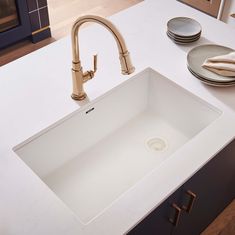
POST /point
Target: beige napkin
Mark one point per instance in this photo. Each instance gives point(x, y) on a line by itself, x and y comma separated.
point(223, 65)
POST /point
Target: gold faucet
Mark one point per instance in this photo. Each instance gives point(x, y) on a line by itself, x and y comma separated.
point(79, 77)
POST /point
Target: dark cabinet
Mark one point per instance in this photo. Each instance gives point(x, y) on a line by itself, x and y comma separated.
point(197, 202)
point(157, 222)
point(20, 31)
point(214, 188)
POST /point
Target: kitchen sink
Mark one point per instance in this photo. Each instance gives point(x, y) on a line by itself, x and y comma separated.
point(96, 154)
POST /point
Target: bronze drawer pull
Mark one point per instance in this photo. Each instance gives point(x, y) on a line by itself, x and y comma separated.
point(191, 201)
point(175, 221)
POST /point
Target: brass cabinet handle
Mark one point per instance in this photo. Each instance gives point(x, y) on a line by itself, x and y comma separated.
point(192, 196)
point(175, 220)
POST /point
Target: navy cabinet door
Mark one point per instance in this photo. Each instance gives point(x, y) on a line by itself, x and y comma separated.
point(22, 30)
point(204, 196)
point(158, 221)
point(214, 188)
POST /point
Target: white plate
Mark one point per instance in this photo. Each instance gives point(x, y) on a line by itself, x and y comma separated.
point(199, 54)
point(183, 26)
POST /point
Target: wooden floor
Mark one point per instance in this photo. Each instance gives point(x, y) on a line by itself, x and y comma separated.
point(224, 224)
point(62, 15)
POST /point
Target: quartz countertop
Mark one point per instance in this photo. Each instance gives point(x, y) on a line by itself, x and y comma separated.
point(35, 93)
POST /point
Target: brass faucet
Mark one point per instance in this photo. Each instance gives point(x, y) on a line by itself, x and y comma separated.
point(79, 77)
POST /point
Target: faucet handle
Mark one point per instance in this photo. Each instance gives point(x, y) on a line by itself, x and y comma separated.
point(95, 63)
point(90, 74)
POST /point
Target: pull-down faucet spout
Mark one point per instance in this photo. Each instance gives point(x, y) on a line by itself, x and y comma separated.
point(77, 72)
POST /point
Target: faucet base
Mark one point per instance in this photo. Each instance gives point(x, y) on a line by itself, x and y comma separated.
point(81, 96)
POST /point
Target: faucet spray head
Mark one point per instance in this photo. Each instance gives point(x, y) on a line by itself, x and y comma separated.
point(126, 65)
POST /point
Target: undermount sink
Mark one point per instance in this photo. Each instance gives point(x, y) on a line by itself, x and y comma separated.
point(93, 156)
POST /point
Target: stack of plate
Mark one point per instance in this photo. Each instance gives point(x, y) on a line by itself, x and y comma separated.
point(197, 56)
point(183, 30)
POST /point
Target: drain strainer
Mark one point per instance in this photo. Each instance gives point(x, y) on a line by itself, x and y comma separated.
point(156, 144)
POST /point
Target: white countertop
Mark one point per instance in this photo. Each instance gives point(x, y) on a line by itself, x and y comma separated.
point(35, 92)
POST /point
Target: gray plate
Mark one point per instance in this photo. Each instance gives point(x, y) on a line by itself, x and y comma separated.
point(199, 54)
point(181, 42)
point(183, 38)
point(208, 82)
point(184, 26)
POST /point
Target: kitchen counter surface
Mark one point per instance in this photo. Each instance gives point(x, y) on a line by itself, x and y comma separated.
point(35, 93)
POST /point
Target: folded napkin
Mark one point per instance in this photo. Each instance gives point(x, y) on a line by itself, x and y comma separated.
point(223, 65)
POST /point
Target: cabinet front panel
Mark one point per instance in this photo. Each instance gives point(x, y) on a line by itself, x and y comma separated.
point(158, 221)
point(210, 7)
point(214, 188)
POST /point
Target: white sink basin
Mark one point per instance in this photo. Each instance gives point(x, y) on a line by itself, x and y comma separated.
point(92, 157)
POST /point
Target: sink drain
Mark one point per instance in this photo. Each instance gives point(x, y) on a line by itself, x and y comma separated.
point(156, 144)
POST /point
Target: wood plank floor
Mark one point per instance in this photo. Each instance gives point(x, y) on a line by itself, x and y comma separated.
point(224, 224)
point(62, 15)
